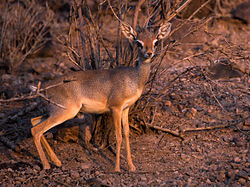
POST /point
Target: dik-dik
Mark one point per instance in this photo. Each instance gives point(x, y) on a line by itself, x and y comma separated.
point(99, 91)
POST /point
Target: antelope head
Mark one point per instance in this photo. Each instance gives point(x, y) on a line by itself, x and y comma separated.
point(145, 40)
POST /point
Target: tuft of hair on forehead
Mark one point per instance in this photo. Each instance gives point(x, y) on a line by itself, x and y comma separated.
point(145, 34)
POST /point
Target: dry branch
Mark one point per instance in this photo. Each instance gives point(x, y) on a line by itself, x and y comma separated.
point(166, 131)
point(181, 132)
point(178, 10)
point(229, 124)
point(137, 9)
point(36, 94)
point(204, 128)
point(8, 143)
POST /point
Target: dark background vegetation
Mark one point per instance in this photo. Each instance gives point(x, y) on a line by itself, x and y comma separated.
point(191, 125)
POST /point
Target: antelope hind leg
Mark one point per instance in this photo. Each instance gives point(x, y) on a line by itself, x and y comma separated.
point(35, 121)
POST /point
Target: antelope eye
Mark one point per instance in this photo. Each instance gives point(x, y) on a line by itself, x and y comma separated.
point(139, 44)
point(156, 42)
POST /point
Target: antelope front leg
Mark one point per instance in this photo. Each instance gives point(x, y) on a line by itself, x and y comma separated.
point(126, 133)
point(118, 133)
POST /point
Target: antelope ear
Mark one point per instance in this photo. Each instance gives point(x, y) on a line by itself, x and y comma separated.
point(164, 31)
point(128, 31)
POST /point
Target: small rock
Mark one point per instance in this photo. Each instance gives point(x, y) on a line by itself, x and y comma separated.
point(68, 180)
point(6, 77)
point(157, 173)
point(143, 178)
point(29, 171)
point(242, 181)
point(247, 122)
point(107, 182)
point(246, 128)
point(64, 168)
point(2, 115)
point(82, 174)
point(173, 96)
point(242, 12)
point(168, 103)
point(57, 170)
point(189, 181)
point(142, 184)
point(230, 174)
point(74, 174)
point(68, 133)
point(40, 67)
point(49, 135)
point(185, 157)
point(45, 181)
point(248, 183)
point(17, 183)
point(208, 181)
point(191, 113)
point(20, 179)
point(237, 159)
point(238, 142)
point(158, 181)
point(97, 173)
point(41, 176)
point(10, 170)
point(221, 177)
point(85, 166)
point(176, 172)
point(48, 76)
point(226, 139)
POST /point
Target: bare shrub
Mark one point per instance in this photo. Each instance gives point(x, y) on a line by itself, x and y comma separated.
point(87, 49)
point(24, 26)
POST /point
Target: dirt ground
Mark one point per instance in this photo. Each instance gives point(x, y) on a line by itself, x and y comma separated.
point(206, 98)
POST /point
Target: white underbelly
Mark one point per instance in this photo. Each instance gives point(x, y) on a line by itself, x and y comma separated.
point(92, 106)
point(128, 102)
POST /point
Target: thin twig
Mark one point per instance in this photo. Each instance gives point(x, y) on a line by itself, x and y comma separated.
point(165, 130)
point(204, 128)
point(185, 58)
point(211, 91)
point(38, 94)
point(21, 98)
point(137, 9)
point(229, 124)
point(50, 101)
point(8, 143)
point(178, 10)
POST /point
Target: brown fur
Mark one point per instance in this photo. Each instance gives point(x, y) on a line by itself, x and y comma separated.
point(96, 91)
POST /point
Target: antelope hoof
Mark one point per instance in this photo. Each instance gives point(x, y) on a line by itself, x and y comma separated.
point(117, 169)
point(46, 166)
point(58, 163)
point(132, 168)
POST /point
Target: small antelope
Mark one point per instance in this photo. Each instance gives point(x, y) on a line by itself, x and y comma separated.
point(99, 91)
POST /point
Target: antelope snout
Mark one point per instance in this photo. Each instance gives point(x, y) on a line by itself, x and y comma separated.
point(148, 54)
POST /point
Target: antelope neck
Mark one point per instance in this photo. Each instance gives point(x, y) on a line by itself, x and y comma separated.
point(144, 71)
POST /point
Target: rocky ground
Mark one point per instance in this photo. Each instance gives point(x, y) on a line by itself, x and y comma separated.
point(203, 86)
point(219, 157)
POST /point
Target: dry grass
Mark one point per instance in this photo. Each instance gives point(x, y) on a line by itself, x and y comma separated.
point(24, 26)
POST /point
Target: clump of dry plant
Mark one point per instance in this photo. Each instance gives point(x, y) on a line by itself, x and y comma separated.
point(24, 25)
